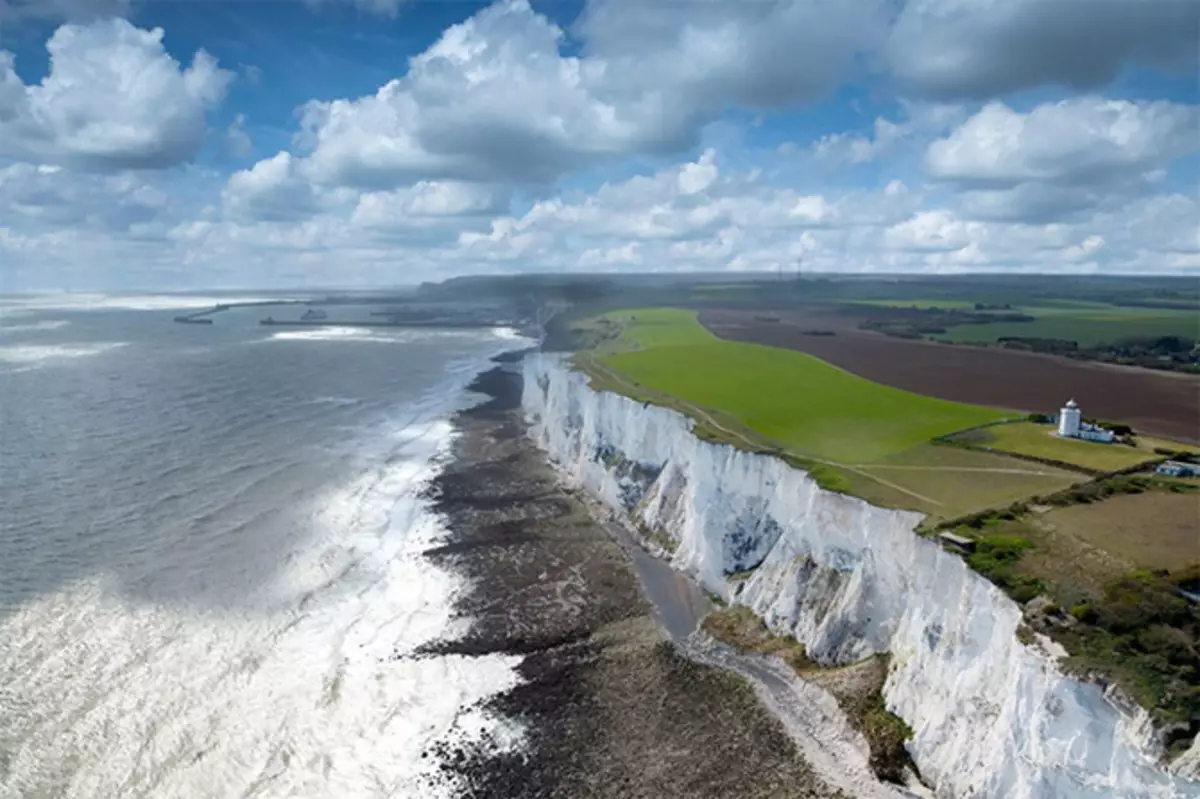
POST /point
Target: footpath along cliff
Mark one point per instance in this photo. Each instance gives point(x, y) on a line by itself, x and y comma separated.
point(991, 716)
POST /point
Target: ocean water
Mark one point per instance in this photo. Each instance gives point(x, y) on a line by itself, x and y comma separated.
point(210, 568)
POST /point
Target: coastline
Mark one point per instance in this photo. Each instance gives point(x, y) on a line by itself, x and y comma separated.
point(608, 706)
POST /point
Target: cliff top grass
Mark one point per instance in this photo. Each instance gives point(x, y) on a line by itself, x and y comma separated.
point(804, 403)
point(851, 434)
point(1039, 441)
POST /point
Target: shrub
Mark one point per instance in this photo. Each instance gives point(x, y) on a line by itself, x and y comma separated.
point(1083, 611)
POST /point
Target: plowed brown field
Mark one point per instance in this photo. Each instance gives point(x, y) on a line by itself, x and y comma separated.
point(1158, 403)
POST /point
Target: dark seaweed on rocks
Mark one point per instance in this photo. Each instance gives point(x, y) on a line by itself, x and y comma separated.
point(607, 707)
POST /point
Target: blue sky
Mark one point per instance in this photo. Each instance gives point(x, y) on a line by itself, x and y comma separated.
point(376, 142)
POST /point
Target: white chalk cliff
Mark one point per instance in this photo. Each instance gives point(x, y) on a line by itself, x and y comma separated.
point(991, 717)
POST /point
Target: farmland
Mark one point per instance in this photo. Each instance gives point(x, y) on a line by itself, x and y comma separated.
point(1088, 325)
point(788, 396)
point(1156, 403)
point(852, 434)
point(1151, 530)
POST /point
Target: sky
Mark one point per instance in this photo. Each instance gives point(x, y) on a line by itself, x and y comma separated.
point(184, 144)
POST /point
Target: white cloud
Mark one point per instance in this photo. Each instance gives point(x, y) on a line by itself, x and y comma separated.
point(854, 148)
point(416, 180)
point(1073, 141)
point(45, 198)
point(984, 48)
point(699, 176)
point(932, 231)
point(1062, 158)
point(113, 99)
point(270, 190)
point(237, 137)
point(494, 98)
point(427, 214)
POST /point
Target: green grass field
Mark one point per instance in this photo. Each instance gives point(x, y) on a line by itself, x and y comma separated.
point(1038, 440)
point(793, 398)
point(961, 481)
point(1086, 323)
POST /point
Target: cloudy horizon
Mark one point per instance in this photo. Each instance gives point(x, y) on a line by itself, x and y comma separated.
point(185, 145)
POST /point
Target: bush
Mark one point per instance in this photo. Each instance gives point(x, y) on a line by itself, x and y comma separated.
point(1083, 612)
point(995, 557)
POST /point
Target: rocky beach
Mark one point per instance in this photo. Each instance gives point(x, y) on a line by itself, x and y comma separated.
point(609, 706)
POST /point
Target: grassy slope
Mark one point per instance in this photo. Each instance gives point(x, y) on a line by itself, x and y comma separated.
point(791, 397)
point(1027, 438)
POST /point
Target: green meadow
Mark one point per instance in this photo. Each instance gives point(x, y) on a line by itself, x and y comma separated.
point(794, 399)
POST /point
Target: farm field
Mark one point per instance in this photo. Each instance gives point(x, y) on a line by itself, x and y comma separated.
point(1153, 403)
point(793, 398)
point(759, 398)
point(1152, 530)
point(1086, 325)
point(1038, 440)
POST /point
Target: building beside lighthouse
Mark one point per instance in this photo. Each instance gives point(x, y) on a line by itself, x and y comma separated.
point(1071, 425)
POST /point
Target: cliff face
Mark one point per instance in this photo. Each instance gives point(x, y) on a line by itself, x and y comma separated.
point(991, 716)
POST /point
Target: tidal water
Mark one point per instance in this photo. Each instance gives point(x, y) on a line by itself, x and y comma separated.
point(210, 569)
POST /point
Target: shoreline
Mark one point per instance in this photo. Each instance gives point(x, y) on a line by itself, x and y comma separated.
point(609, 707)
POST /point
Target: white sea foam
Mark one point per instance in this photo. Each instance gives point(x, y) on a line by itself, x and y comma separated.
point(341, 334)
point(312, 692)
point(34, 327)
point(37, 354)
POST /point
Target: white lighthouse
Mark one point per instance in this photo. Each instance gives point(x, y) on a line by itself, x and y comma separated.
point(1069, 420)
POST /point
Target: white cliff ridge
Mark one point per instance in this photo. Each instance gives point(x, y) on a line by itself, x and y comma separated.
point(991, 717)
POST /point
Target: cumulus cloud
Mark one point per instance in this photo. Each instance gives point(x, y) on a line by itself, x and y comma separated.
point(669, 219)
point(270, 190)
point(985, 48)
point(888, 139)
point(425, 200)
point(697, 57)
point(1062, 157)
point(495, 99)
point(113, 99)
point(44, 198)
point(854, 148)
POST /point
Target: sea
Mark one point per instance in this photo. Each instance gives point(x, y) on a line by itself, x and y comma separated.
point(211, 579)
